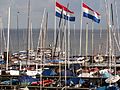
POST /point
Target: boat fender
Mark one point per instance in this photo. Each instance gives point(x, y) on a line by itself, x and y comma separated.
point(98, 58)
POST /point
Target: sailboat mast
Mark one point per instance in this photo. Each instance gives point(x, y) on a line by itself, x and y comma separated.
point(117, 27)
point(100, 37)
point(74, 50)
point(28, 26)
point(1, 51)
point(45, 31)
point(57, 34)
point(110, 43)
point(66, 50)
point(92, 41)
point(8, 33)
point(18, 29)
point(81, 28)
point(65, 55)
point(113, 37)
point(41, 26)
point(108, 32)
point(86, 43)
point(31, 36)
point(68, 41)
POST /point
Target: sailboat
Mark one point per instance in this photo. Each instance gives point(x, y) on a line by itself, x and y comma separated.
point(112, 79)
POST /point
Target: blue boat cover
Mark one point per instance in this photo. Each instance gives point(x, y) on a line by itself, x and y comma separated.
point(108, 88)
point(107, 75)
point(48, 72)
point(54, 61)
point(8, 82)
point(113, 88)
point(74, 66)
point(28, 79)
point(68, 73)
point(75, 81)
point(2, 61)
point(102, 88)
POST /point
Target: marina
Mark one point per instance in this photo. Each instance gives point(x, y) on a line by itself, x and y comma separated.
point(63, 57)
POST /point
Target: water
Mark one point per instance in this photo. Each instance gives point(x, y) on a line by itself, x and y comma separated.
point(18, 40)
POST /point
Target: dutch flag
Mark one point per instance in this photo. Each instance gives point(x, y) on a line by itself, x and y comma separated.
point(90, 13)
point(64, 12)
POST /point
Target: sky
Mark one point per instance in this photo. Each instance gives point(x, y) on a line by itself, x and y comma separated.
point(38, 6)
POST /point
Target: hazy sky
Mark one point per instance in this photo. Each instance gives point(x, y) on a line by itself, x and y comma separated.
point(37, 8)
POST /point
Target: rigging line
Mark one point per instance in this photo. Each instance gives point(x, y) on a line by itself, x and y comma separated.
point(40, 33)
point(113, 28)
point(116, 8)
point(41, 26)
point(100, 32)
point(57, 36)
point(5, 45)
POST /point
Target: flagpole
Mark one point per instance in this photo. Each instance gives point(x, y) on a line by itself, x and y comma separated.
point(55, 25)
point(81, 28)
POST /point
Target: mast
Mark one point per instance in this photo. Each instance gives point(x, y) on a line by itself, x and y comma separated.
point(117, 27)
point(45, 31)
point(86, 43)
point(100, 37)
point(81, 28)
point(28, 28)
point(68, 42)
point(1, 51)
point(5, 46)
point(74, 50)
point(65, 56)
point(92, 41)
point(66, 50)
point(57, 34)
point(18, 29)
point(113, 37)
point(110, 43)
point(41, 27)
point(108, 33)
point(31, 36)
point(113, 29)
point(8, 33)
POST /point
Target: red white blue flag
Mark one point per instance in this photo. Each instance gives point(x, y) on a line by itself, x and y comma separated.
point(90, 13)
point(64, 12)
